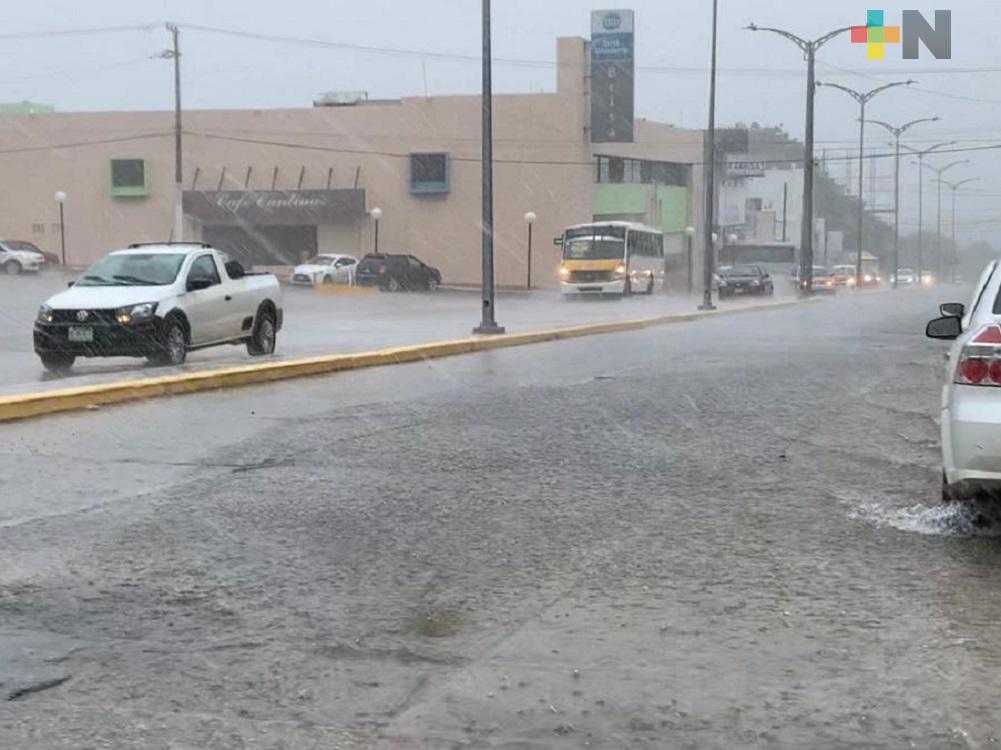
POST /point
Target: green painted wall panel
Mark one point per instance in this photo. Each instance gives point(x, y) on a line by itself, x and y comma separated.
point(619, 199)
point(673, 208)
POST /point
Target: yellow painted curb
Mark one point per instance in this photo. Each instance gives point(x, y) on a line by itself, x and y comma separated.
point(23, 406)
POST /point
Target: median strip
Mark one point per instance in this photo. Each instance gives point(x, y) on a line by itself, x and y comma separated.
point(23, 406)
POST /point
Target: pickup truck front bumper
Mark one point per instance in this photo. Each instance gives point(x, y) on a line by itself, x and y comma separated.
point(109, 339)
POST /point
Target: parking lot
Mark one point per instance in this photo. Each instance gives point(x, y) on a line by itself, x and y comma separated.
point(322, 323)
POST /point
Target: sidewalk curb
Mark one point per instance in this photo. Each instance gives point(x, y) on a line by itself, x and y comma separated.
point(24, 406)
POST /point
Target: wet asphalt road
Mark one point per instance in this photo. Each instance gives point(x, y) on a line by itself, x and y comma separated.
point(710, 535)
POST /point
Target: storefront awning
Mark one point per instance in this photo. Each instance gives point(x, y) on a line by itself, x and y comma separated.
point(274, 206)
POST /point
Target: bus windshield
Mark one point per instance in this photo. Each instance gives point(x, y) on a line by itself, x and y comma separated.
point(594, 248)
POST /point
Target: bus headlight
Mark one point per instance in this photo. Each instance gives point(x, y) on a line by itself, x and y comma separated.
point(564, 273)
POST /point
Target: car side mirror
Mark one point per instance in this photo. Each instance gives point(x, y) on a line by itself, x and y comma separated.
point(70, 283)
point(195, 284)
point(948, 327)
point(952, 309)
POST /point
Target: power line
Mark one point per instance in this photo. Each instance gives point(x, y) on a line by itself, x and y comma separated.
point(80, 32)
point(79, 144)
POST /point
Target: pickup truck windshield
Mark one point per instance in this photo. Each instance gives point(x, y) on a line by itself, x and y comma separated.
point(134, 269)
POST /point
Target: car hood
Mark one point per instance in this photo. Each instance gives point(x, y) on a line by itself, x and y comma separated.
point(104, 297)
point(308, 268)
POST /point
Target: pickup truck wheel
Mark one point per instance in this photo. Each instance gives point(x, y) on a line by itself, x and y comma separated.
point(393, 285)
point(57, 362)
point(175, 346)
point(262, 341)
point(12, 268)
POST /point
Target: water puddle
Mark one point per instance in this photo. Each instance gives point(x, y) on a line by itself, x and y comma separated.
point(975, 519)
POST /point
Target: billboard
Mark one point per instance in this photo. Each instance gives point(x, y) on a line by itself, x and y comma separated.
point(613, 82)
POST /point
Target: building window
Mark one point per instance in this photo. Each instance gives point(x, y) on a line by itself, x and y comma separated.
point(429, 174)
point(616, 169)
point(129, 178)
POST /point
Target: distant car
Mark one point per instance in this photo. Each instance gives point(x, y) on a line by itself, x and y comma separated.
point(17, 256)
point(824, 281)
point(906, 277)
point(844, 275)
point(971, 397)
point(746, 280)
point(393, 273)
point(325, 268)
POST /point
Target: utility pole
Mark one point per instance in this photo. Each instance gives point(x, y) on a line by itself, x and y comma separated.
point(488, 324)
point(809, 48)
point(709, 260)
point(921, 154)
point(897, 132)
point(175, 55)
point(863, 98)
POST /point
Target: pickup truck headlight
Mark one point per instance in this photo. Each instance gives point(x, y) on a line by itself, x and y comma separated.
point(45, 314)
point(135, 313)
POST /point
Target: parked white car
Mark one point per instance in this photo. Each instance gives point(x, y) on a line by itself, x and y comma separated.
point(971, 397)
point(326, 268)
point(159, 301)
point(17, 256)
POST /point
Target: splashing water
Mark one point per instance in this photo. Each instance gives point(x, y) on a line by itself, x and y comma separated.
point(977, 519)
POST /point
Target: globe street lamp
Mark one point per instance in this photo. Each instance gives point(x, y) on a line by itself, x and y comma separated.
point(376, 215)
point(690, 233)
point(530, 218)
point(61, 199)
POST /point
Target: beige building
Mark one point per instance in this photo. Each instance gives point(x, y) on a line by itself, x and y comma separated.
point(272, 185)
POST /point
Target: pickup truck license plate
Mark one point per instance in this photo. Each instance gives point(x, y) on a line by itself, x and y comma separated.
point(81, 334)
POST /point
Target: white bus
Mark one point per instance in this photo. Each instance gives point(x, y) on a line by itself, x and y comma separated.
point(611, 257)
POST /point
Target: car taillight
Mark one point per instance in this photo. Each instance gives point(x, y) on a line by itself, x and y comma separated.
point(980, 359)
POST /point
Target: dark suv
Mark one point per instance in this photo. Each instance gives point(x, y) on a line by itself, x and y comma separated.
point(393, 273)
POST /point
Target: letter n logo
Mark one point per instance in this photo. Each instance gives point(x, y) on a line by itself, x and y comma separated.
point(937, 39)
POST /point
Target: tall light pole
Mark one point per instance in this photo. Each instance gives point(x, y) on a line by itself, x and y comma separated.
point(376, 218)
point(709, 256)
point(897, 132)
point(530, 218)
point(921, 154)
point(955, 186)
point(938, 229)
point(690, 234)
point(488, 323)
point(61, 199)
point(809, 48)
point(175, 55)
point(863, 98)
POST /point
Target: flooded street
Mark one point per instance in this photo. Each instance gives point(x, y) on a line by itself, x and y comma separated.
point(719, 534)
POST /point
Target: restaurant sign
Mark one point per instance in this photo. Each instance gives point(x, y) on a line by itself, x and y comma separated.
point(274, 206)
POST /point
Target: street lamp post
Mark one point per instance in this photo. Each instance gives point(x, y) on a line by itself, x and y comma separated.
point(921, 154)
point(863, 98)
point(376, 216)
point(938, 227)
point(809, 48)
point(61, 199)
point(955, 186)
point(897, 132)
point(488, 323)
point(710, 178)
point(731, 240)
point(690, 234)
point(175, 55)
point(530, 218)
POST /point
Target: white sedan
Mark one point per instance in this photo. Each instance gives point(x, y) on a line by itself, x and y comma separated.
point(326, 268)
point(971, 397)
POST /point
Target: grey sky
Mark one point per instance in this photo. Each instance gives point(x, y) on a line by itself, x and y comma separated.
point(114, 72)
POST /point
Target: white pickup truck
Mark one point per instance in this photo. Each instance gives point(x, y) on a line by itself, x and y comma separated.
point(159, 301)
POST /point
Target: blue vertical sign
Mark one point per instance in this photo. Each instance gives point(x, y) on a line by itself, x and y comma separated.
point(613, 76)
